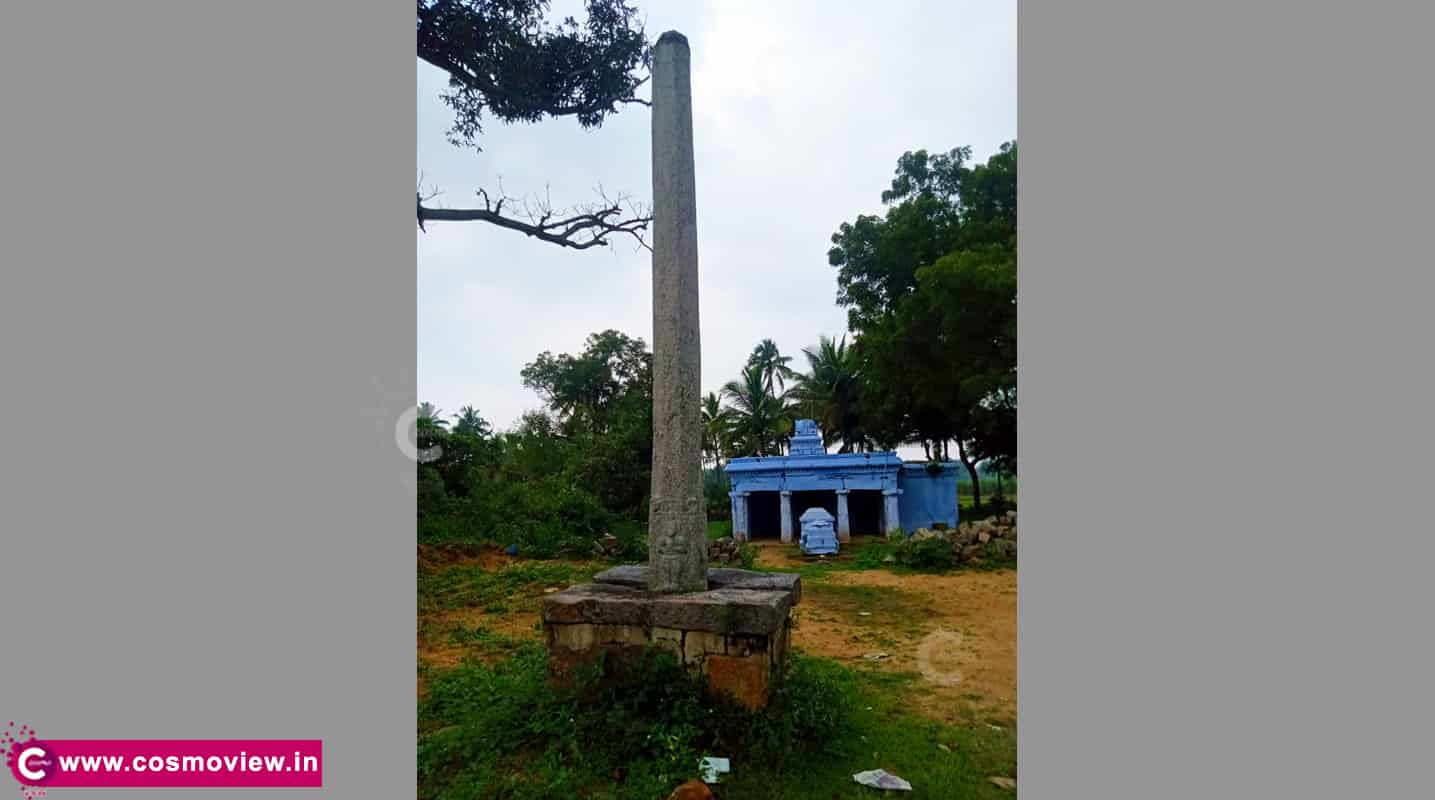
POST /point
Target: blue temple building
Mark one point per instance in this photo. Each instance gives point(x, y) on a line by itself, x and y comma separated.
point(868, 493)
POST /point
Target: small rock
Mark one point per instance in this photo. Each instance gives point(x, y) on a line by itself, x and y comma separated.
point(692, 790)
point(875, 656)
point(1005, 783)
point(550, 590)
point(983, 537)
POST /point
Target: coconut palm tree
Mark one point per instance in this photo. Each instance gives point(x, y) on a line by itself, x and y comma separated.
point(758, 418)
point(429, 418)
point(468, 421)
point(828, 392)
point(716, 422)
point(773, 364)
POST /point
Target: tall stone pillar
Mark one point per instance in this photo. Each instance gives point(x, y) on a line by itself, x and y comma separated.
point(677, 520)
point(786, 516)
point(891, 514)
point(844, 520)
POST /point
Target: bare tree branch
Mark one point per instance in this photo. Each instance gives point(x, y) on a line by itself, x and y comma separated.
point(579, 228)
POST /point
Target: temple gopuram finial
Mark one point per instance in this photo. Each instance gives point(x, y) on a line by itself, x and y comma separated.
point(807, 439)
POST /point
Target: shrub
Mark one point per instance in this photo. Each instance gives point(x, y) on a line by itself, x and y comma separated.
point(934, 554)
point(747, 554)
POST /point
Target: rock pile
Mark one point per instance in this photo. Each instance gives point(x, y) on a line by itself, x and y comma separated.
point(975, 542)
point(726, 550)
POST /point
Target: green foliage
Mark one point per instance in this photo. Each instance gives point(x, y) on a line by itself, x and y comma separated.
point(773, 365)
point(505, 731)
point(560, 480)
point(715, 494)
point(926, 554)
point(930, 289)
point(828, 393)
point(718, 529)
point(759, 419)
point(717, 422)
point(747, 555)
point(505, 60)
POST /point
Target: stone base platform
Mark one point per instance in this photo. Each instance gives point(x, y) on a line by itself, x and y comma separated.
point(735, 634)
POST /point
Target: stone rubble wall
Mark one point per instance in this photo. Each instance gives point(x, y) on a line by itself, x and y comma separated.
point(726, 550)
point(976, 542)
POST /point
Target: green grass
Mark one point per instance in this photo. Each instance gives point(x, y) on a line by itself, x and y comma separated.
point(505, 732)
point(719, 528)
point(967, 511)
point(470, 585)
point(872, 553)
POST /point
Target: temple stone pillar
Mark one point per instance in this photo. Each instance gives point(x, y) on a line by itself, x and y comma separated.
point(677, 519)
point(786, 516)
point(844, 520)
point(891, 514)
point(739, 516)
point(730, 626)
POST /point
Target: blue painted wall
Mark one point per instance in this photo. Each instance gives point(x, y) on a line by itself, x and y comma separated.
point(927, 498)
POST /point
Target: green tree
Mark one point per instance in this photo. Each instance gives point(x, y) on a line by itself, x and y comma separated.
point(584, 389)
point(716, 424)
point(930, 289)
point(430, 418)
point(773, 364)
point(602, 399)
point(468, 421)
point(828, 393)
point(759, 419)
point(505, 60)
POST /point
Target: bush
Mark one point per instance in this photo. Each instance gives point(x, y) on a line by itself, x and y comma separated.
point(934, 554)
point(545, 517)
point(747, 555)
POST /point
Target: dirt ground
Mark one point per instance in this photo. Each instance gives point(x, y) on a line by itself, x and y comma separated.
point(956, 630)
point(954, 634)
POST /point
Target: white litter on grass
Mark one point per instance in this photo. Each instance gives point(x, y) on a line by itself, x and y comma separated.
point(882, 779)
point(712, 767)
point(864, 613)
point(875, 656)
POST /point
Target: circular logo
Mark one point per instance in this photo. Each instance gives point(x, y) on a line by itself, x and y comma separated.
point(34, 763)
point(935, 656)
point(406, 436)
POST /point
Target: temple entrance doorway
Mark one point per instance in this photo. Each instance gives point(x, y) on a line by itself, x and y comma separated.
point(864, 507)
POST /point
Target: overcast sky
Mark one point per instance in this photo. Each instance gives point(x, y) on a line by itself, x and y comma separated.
point(800, 110)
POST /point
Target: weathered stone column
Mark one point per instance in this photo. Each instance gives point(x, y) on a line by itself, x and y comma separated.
point(677, 520)
point(890, 511)
point(786, 513)
point(740, 529)
point(844, 521)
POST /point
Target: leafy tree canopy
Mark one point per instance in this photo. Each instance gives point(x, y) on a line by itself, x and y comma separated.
point(502, 57)
point(505, 60)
